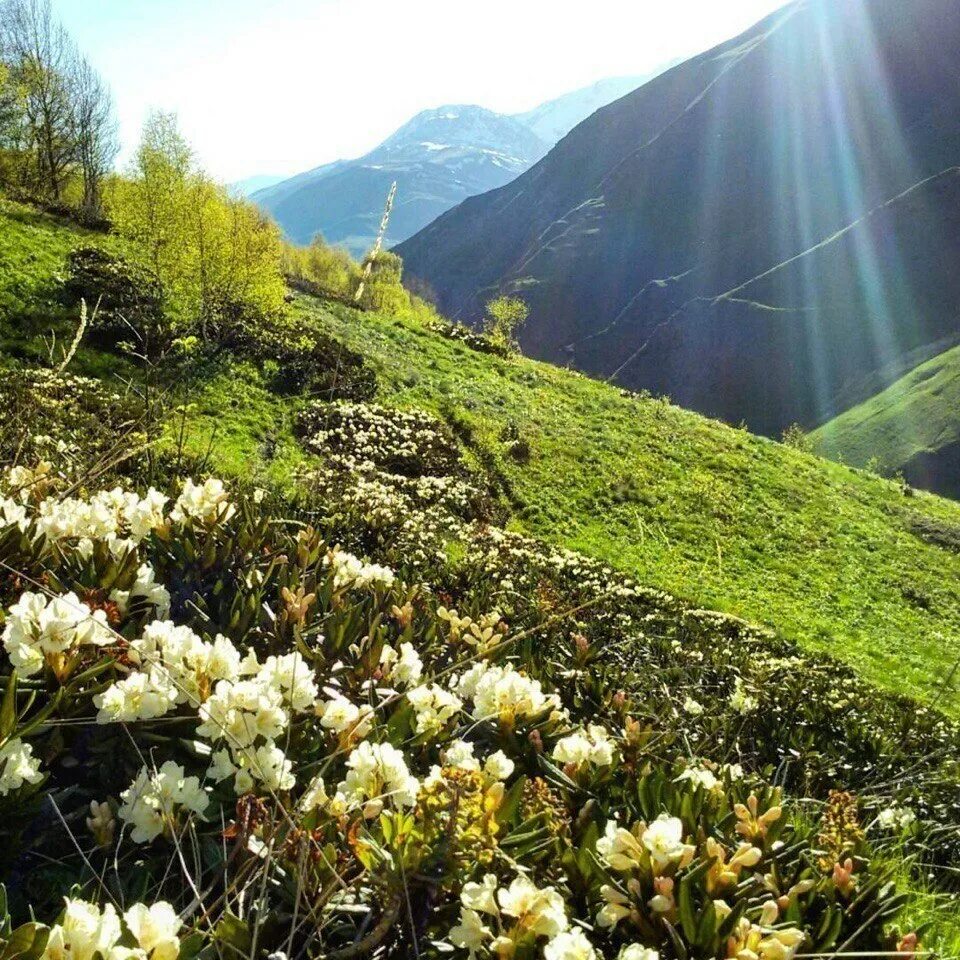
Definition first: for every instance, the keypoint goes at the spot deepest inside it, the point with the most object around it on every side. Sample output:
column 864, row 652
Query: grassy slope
column 731, row 521
column 915, row 414
column 734, row 522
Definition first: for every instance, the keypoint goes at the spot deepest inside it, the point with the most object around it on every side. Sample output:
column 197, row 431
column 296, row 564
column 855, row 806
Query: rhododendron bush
column 224, row 734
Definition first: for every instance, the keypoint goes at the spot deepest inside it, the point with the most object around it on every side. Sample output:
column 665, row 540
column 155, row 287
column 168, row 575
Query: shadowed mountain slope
column 912, row 427
column 767, row 232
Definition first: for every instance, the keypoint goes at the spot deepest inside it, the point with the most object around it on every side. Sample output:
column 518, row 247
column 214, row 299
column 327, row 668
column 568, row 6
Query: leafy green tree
column 42, row 59
column 384, row 289
column 505, row 316
column 216, row 260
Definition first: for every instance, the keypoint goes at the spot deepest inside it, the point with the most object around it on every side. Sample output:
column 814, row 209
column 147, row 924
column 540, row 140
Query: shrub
column 312, row 726
column 505, row 316
column 122, row 292
column 214, row 259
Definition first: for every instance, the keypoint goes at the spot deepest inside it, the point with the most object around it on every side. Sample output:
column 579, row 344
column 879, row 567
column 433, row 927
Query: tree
column 505, row 316
column 149, row 206
column 215, row 259
column 41, row 58
column 95, row 131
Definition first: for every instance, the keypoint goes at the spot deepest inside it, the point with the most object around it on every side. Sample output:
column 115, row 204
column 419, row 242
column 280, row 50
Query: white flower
column 619, row 848
column 572, row 945
column 694, row 709
column 241, row 712
column 315, row 796
column 101, row 823
column 615, row 908
column 151, row 803
column 591, row 746
column 664, row 839
column 893, row 818
column 271, row 767
column 434, row 707
column 636, row 951
column 18, row 766
column 155, row 928
column 498, row 766
column 292, row 677
column 539, row 911
column 36, row 629
column 338, row 714
column 207, row 502
column 503, row 693
column 13, row 513
column 351, row 571
column 378, row 770
column 470, row 933
column 139, row 696
column 741, row 700
column 480, row 896
column 460, row 754
column 403, row 670
column 145, row 591
column 699, row 776
column 84, row 932
column 143, row 515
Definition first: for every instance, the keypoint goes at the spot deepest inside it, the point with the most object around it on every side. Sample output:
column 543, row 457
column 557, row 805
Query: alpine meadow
column 376, row 581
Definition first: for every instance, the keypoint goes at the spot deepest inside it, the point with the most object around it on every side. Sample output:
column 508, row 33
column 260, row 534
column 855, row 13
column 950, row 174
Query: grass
column 824, row 553
column 830, row 556
column 913, row 415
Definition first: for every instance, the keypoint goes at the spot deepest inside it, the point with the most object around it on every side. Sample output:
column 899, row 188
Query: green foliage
column 331, row 269
column 124, row 295
column 743, row 863
column 686, row 504
column 505, row 316
column 795, row 436
column 215, row 260
column 914, row 417
column 730, row 521
column 330, row 273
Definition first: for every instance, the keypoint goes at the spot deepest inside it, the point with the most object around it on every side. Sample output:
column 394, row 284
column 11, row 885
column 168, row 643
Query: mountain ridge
column 343, row 199
column 749, row 232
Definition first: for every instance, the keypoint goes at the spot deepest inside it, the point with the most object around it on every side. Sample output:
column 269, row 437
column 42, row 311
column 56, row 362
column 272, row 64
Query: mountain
column 438, row 158
column 553, row 120
column 767, row 232
column 912, row 428
column 249, row 186
column 835, row 558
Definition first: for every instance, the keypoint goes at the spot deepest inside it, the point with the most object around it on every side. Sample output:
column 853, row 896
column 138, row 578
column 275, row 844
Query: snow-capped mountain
column 553, row 120
column 438, row 158
column 244, row 188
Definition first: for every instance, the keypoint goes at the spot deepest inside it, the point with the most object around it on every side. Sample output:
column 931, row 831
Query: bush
column 123, row 292
column 214, row 260
column 313, row 726
column 505, row 316
column 307, row 363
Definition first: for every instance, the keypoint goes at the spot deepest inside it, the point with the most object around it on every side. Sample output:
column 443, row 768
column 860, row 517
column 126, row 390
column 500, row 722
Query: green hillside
column 836, row 559
column 911, row 426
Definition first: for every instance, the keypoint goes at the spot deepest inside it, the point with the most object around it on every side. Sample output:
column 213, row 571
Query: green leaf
column 23, row 942
column 706, row 925
column 685, row 909
column 233, row 932
column 8, row 711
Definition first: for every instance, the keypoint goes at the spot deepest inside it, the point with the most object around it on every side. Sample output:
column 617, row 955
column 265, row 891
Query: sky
column 280, row 86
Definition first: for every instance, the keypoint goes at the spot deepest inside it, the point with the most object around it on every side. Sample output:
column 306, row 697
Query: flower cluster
column 86, row 931
column 51, row 631
column 320, row 729
column 152, row 804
